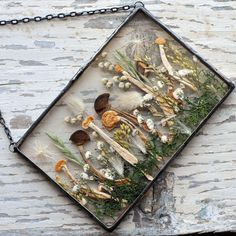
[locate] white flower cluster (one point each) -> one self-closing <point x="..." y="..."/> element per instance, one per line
<point x="88" y="155"/>
<point x="146" y="99"/>
<point x="160" y="84"/>
<point x="86" y="167"/>
<point x="178" y="94"/>
<point x="107" y="173"/>
<point x="164" y="138"/>
<point x="106" y="64"/>
<point x="149" y="122"/>
<point x="100" y="145"/>
<point x="73" y="120"/>
<point x="108" y="84"/>
<point x="85" y="176"/>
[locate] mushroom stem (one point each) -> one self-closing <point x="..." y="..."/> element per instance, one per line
<point x="128" y="116"/>
<point x="163" y="103"/>
<point x="68" y="173"/>
<point x="124" y="153"/>
<point x="92" y="169"/>
<point x="94" y="193"/>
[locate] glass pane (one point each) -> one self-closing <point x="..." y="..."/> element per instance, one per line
<point x="134" y="106"/>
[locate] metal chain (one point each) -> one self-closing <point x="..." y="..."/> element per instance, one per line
<point x="8" y="133"/>
<point x="12" y="145"/>
<point x="71" y="14"/>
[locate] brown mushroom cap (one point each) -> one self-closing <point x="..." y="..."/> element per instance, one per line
<point x="79" y="137"/>
<point x="101" y="103"/>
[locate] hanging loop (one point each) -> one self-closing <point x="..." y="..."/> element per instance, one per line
<point x="139" y="4"/>
<point x="12" y="145"/>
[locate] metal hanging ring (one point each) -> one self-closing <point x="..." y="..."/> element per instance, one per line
<point x="139" y="4"/>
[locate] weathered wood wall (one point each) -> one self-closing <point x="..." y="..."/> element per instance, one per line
<point x="197" y="192"/>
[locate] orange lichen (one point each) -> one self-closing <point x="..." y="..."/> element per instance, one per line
<point x="87" y="121"/>
<point x="59" y="165"/>
<point x="110" y="119"/>
<point x="160" y="41"/>
<point x="118" y="68"/>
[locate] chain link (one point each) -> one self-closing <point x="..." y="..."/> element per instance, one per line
<point x="71" y="14"/>
<point x="12" y="145"/>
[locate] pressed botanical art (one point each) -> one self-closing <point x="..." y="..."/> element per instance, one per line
<point x="132" y="108"/>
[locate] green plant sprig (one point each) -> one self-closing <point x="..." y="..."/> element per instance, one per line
<point x="64" y="150"/>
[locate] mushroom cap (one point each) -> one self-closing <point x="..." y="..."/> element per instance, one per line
<point x="87" y="121"/>
<point x="79" y="137"/>
<point x="110" y="119"/>
<point x="59" y="165"/>
<point x="101" y="103"/>
<point x="160" y="41"/>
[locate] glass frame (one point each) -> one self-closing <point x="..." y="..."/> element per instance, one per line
<point x="77" y="76"/>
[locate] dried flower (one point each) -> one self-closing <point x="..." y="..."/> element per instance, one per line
<point x="88" y="155"/>
<point x="41" y="150"/>
<point x="150" y="124"/>
<point x="100" y="145"/>
<point x="83" y="201"/>
<point x="140" y="119"/>
<point x="147" y="97"/>
<point x="84" y="176"/>
<point x="76" y="189"/>
<point x="136" y="112"/>
<point x="79" y="117"/>
<point x="106" y="64"/>
<point x="100" y="157"/>
<point x="109" y="84"/>
<point x="134" y="98"/>
<point x="111" y="149"/>
<point x="121" y="85"/>
<point x="160" y="41"/>
<point x="108" y="173"/>
<point x="104" y="81"/>
<point x="123" y="78"/>
<point x="160" y="84"/>
<point x="184" y="72"/>
<point x="87" y="121"/>
<point x="110" y="119"/>
<point x="86" y="167"/>
<point x="164" y="138"/>
<point x="115" y="79"/>
<point x="67" y="119"/>
<point x="73" y="120"/>
<point x="75" y="105"/>
<point x="101" y="65"/>
<point x="178" y="94"/>
<point x="127" y="85"/>
<point x="155" y="88"/>
<point x="111" y="68"/>
<point x="104" y="54"/>
<point x="118" y="68"/>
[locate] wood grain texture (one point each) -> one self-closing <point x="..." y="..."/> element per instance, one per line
<point x="196" y="193"/>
